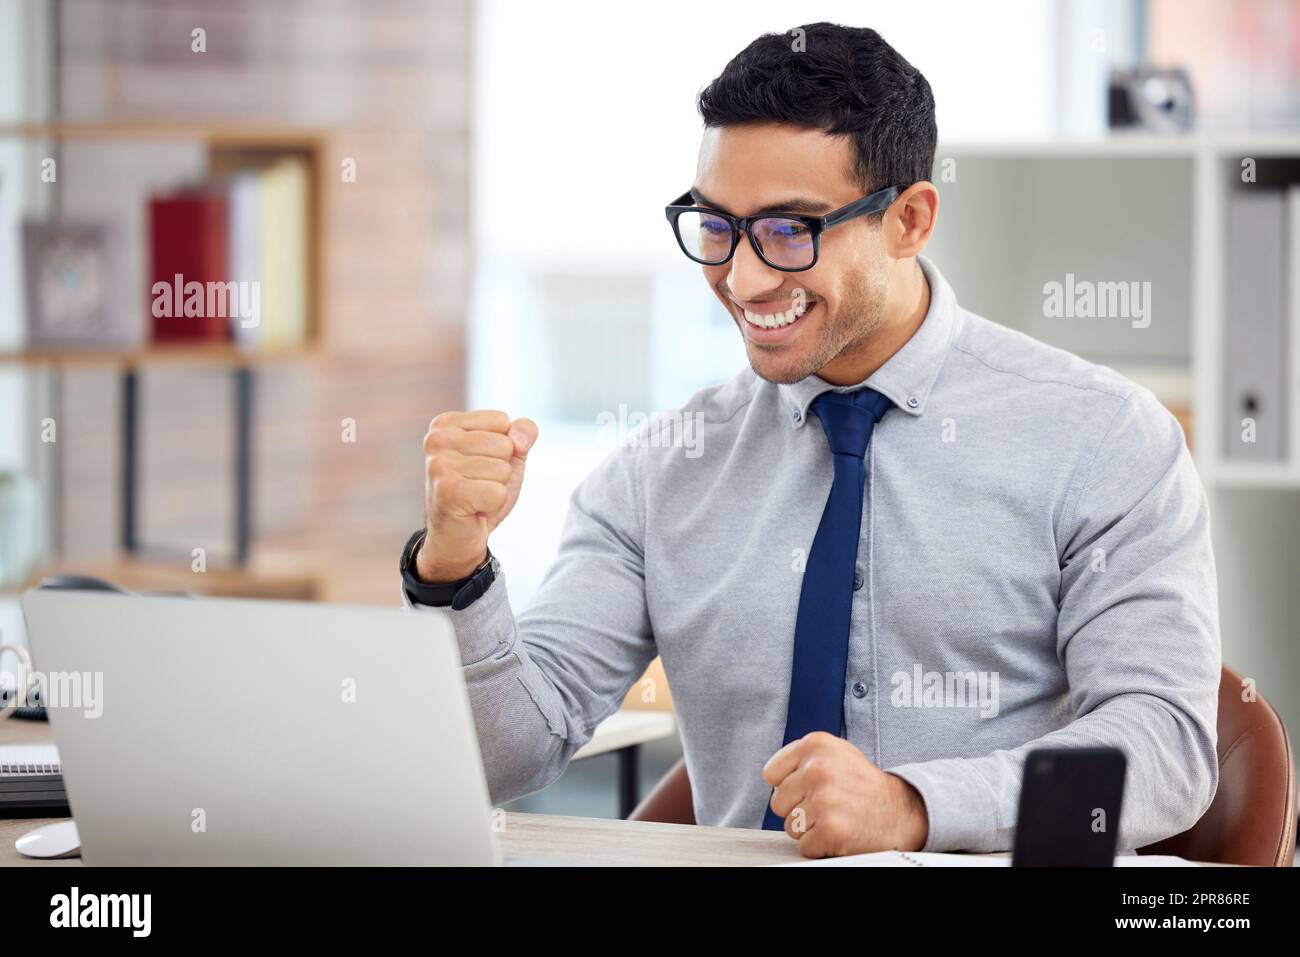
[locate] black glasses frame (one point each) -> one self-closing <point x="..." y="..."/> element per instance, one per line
<point x="876" y="202"/>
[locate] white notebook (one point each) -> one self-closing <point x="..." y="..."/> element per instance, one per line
<point x="27" y="759"/>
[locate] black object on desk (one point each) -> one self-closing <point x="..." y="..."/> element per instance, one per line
<point x="1069" y="808"/>
<point x="32" y="790"/>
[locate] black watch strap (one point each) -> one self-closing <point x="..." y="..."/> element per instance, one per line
<point x="456" y="595"/>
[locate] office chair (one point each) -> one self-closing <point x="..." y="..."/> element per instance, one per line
<point x="1252" y="819"/>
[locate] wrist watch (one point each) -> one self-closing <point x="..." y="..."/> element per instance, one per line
<point x="456" y="595"/>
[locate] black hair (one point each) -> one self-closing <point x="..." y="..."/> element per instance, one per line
<point x="841" y="80"/>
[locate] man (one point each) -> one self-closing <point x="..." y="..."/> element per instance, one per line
<point x="916" y="545"/>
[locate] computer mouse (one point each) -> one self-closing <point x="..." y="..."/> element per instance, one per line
<point x="78" y="583"/>
<point x="51" y="841"/>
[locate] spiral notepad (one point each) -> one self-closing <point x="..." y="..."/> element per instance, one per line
<point x="31" y="781"/>
<point x="26" y="760"/>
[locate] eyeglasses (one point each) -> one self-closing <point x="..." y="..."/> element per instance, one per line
<point x="788" y="242"/>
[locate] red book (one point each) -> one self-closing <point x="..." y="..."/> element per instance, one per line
<point x="190" y="248"/>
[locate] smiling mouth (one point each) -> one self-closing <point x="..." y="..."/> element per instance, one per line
<point x="776" y="320"/>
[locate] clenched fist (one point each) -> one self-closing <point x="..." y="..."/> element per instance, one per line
<point x="473" y="470"/>
<point x="835" y="801"/>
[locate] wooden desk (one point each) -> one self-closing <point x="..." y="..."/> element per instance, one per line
<point x="18" y="731"/>
<point x="566" y="840"/>
<point x="603" y="842"/>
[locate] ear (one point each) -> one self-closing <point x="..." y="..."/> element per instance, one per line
<point x="910" y="220"/>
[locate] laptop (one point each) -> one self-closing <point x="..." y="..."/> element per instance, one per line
<point x="199" y="731"/>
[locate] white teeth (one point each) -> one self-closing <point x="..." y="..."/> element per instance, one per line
<point x="775" y="320"/>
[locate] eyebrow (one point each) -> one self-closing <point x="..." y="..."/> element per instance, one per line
<point x="808" y="207"/>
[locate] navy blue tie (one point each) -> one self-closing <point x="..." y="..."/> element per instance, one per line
<point x="821" y="629"/>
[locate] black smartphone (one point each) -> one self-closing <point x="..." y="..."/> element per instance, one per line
<point x="1069" y="808"/>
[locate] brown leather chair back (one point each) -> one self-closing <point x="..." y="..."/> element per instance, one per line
<point x="670" y="802"/>
<point x="1252" y="819"/>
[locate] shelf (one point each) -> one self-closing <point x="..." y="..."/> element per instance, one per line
<point x="230" y="147"/>
<point x="1131" y="146"/>
<point x="1252" y="475"/>
<point x="190" y="354"/>
<point x="217" y="134"/>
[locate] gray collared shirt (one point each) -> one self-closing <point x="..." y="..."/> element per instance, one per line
<point x="1034" y="570"/>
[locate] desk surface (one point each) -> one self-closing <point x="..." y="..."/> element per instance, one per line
<point x="597" y="841"/>
<point x="566" y="840"/>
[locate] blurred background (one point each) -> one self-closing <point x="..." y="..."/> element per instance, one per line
<point x="390" y="172"/>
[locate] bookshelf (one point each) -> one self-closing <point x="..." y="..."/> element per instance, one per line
<point x="228" y="147"/>
<point x="225" y="148"/>
<point x="1132" y="207"/>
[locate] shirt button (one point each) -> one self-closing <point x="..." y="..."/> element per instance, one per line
<point x="857" y="578"/>
<point x="796" y="415"/>
<point x="913" y="402"/>
<point x="859" y="689"/>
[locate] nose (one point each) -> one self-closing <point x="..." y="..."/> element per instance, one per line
<point x="750" y="278"/>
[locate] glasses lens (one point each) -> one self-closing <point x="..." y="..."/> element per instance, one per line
<point x="786" y="243"/>
<point x="705" y="238"/>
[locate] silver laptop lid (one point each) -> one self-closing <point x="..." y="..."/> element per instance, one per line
<point x="220" y="731"/>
